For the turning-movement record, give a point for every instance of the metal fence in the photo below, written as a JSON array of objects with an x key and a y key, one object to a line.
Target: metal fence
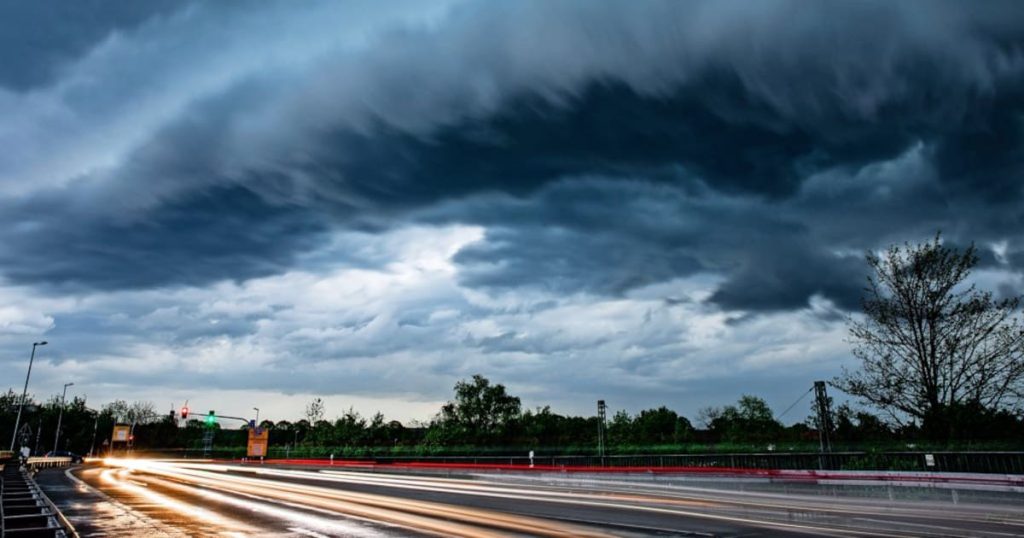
[
  {"x": 973, "y": 462},
  {"x": 1003, "y": 462}
]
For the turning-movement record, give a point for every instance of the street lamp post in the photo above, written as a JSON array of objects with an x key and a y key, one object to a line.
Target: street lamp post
[
  {"x": 24, "y": 392},
  {"x": 95, "y": 424},
  {"x": 257, "y": 416},
  {"x": 60, "y": 417}
]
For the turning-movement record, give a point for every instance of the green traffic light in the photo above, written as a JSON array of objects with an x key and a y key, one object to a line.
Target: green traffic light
[{"x": 211, "y": 418}]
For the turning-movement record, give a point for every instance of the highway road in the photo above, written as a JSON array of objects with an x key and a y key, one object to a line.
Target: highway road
[{"x": 186, "y": 498}]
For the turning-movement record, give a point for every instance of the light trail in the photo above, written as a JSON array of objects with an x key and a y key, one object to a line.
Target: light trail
[
  {"x": 437, "y": 518},
  {"x": 308, "y": 524},
  {"x": 275, "y": 493},
  {"x": 119, "y": 479},
  {"x": 471, "y": 487},
  {"x": 771, "y": 501}
]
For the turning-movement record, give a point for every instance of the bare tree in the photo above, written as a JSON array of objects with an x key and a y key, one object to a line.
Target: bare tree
[
  {"x": 706, "y": 416},
  {"x": 928, "y": 342},
  {"x": 142, "y": 412},
  {"x": 137, "y": 412},
  {"x": 315, "y": 411}
]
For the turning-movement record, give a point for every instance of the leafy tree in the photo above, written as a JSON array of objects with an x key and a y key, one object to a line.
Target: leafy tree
[
  {"x": 657, "y": 426},
  {"x": 540, "y": 427},
  {"x": 620, "y": 429},
  {"x": 481, "y": 411},
  {"x": 859, "y": 426},
  {"x": 396, "y": 432},
  {"x": 684, "y": 430},
  {"x": 379, "y": 432},
  {"x": 750, "y": 420},
  {"x": 350, "y": 429},
  {"x": 930, "y": 345},
  {"x": 301, "y": 429}
]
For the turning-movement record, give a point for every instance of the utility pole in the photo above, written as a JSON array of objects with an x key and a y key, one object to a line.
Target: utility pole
[
  {"x": 601, "y": 415},
  {"x": 824, "y": 416}
]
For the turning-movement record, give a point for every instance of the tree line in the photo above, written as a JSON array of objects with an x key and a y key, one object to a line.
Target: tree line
[{"x": 483, "y": 417}]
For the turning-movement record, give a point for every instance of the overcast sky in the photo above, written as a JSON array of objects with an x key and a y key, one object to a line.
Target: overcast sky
[{"x": 654, "y": 203}]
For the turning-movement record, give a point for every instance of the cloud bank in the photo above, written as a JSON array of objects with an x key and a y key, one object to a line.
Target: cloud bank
[{"x": 669, "y": 193}]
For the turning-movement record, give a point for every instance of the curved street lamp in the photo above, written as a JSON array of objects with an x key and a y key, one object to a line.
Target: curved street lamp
[
  {"x": 60, "y": 417},
  {"x": 24, "y": 392}
]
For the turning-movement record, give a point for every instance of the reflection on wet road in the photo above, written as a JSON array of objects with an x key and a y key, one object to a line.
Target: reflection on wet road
[{"x": 204, "y": 499}]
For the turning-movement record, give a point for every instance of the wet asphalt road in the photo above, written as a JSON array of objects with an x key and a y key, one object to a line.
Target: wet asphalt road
[{"x": 190, "y": 499}]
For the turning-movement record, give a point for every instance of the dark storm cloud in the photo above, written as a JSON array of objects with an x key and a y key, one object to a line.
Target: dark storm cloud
[
  {"x": 710, "y": 123},
  {"x": 784, "y": 277},
  {"x": 609, "y": 236},
  {"x": 205, "y": 237},
  {"x": 39, "y": 38},
  {"x": 984, "y": 156},
  {"x": 606, "y": 129}
]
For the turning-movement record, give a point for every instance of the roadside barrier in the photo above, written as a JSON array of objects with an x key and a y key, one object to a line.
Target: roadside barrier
[
  {"x": 994, "y": 462},
  {"x": 949, "y": 462},
  {"x": 25, "y": 511},
  {"x": 42, "y": 462}
]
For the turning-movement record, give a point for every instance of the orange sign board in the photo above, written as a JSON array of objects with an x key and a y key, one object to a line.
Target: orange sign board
[
  {"x": 258, "y": 440},
  {"x": 121, "y": 432}
]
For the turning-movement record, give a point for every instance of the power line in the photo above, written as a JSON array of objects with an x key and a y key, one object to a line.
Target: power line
[{"x": 790, "y": 408}]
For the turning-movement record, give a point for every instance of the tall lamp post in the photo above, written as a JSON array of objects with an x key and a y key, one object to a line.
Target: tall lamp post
[
  {"x": 257, "y": 416},
  {"x": 24, "y": 392},
  {"x": 60, "y": 417},
  {"x": 95, "y": 425}
]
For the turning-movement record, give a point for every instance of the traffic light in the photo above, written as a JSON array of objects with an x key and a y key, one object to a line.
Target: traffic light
[
  {"x": 211, "y": 419},
  {"x": 184, "y": 413}
]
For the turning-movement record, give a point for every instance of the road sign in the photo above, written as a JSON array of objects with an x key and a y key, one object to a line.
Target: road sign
[
  {"x": 258, "y": 440},
  {"x": 121, "y": 433}
]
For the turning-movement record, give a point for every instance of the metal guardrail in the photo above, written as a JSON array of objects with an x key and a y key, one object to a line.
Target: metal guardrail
[
  {"x": 962, "y": 462},
  {"x": 25, "y": 511},
  {"x": 43, "y": 462}
]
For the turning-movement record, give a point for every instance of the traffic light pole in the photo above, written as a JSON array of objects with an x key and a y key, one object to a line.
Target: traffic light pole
[
  {"x": 245, "y": 420},
  {"x": 212, "y": 418}
]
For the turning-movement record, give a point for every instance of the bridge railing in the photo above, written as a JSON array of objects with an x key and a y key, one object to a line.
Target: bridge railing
[
  {"x": 41, "y": 462},
  {"x": 1000, "y": 462},
  {"x": 966, "y": 462}
]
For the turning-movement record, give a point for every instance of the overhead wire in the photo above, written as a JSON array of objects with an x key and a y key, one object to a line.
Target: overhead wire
[{"x": 790, "y": 408}]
